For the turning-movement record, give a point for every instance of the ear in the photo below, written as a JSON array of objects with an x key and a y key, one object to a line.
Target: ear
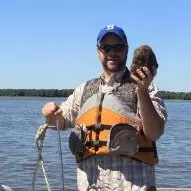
[
  {"x": 97, "y": 47},
  {"x": 98, "y": 50}
]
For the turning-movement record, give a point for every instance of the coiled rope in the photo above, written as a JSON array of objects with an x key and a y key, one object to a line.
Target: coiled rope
[{"x": 40, "y": 135}]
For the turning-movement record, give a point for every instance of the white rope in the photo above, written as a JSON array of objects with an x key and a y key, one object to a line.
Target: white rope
[
  {"x": 40, "y": 143},
  {"x": 40, "y": 135},
  {"x": 45, "y": 176},
  {"x": 60, "y": 153}
]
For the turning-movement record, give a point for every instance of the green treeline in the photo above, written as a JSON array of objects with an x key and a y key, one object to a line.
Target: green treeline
[
  {"x": 67, "y": 92},
  {"x": 36, "y": 92},
  {"x": 175, "y": 95}
]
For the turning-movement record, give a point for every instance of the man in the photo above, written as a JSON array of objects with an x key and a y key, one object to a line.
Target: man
[{"x": 119, "y": 120}]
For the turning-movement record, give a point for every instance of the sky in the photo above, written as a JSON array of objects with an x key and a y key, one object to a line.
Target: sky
[{"x": 46, "y": 44}]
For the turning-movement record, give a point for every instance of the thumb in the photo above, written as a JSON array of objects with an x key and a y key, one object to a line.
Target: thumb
[{"x": 59, "y": 111}]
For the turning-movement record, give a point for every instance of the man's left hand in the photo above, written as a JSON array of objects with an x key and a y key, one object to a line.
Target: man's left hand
[{"x": 143, "y": 79}]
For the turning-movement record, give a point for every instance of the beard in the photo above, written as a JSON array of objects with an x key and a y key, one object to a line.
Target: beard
[{"x": 114, "y": 65}]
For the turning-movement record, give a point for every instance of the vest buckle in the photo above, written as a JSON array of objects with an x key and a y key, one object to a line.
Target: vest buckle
[
  {"x": 96, "y": 143},
  {"x": 97, "y": 128}
]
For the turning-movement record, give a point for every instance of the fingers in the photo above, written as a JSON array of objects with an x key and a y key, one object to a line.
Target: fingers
[
  {"x": 143, "y": 78},
  {"x": 136, "y": 79},
  {"x": 147, "y": 71},
  {"x": 141, "y": 73},
  {"x": 51, "y": 109},
  {"x": 58, "y": 112}
]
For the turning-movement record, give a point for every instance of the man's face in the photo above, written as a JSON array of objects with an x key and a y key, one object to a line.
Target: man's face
[{"x": 112, "y": 52}]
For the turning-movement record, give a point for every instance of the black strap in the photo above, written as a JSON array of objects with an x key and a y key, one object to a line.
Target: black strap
[
  {"x": 96, "y": 143},
  {"x": 104, "y": 127},
  {"x": 104, "y": 143},
  {"x": 146, "y": 149},
  {"x": 98, "y": 128},
  {"x": 155, "y": 149}
]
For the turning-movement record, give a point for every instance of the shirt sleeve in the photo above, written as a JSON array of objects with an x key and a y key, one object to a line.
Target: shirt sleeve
[
  {"x": 71, "y": 106},
  {"x": 157, "y": 101}
]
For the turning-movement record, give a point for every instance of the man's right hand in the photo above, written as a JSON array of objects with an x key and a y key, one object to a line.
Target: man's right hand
[{"x": 51, "y": 110}]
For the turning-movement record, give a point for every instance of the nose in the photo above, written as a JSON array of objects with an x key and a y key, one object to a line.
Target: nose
[{"x": 112, "y": 52}]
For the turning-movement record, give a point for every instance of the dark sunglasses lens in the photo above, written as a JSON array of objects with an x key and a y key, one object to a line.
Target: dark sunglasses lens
[
  {"x": 106, "y": 48},
  {"x": 115, "y": 48},
  {"x": 118, "y": 47}
]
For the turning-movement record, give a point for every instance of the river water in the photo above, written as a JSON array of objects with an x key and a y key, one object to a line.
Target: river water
[{"x": 20, "y": 117}]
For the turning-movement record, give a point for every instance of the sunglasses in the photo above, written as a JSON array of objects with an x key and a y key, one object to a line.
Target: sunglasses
[{"x": 106, "y": 48}]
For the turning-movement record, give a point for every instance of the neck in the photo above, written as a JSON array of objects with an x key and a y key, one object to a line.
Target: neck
[{"x": 107, "y": 75}]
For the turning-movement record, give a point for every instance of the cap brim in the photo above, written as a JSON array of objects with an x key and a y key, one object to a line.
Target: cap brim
[{"x": 110, "y": 32}]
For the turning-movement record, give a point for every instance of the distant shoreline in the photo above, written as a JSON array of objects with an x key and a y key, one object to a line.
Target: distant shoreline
[{"x": 66, "y": 92}]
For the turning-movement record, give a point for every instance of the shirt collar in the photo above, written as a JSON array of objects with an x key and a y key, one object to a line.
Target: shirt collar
[{"x": 116, "y": 77}]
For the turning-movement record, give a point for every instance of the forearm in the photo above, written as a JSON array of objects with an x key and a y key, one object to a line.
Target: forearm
[{"x": 153, "y": 124}]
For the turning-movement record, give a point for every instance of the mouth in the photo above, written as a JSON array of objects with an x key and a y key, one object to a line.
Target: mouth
[{"x": 113, "y": 61}]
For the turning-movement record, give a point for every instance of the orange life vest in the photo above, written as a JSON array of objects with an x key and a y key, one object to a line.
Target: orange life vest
[{"x": 101, "y": 111}]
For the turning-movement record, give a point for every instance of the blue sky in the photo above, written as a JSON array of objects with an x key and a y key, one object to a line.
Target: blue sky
[{"x": 52, "y": 44}]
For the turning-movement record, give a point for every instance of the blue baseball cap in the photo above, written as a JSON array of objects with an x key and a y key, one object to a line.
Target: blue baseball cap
[{"x": 111, "y": 29}]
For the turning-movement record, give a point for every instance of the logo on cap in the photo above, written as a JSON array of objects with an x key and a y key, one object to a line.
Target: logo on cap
[{"x": 110, "y": 27}]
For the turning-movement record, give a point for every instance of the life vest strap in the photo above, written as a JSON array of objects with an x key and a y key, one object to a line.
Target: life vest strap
[
  {"x": 104, "y": 127},
  {"x": 96, "y": 143},
  {"x": 104, "y": 143},
  {"x": 98, "y": 128},
  {"x": 146, "y": 149}
]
